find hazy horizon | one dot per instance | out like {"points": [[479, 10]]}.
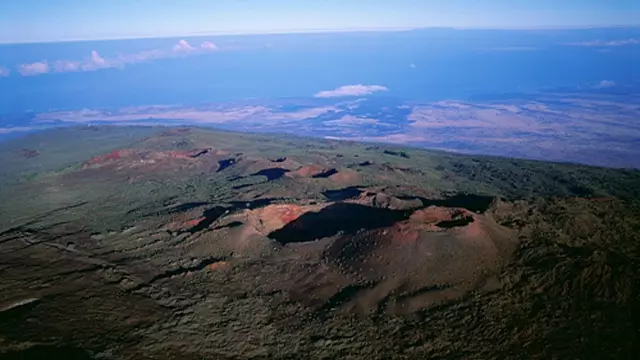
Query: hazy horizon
{"points": [[312, 31], [42, 21], [523, 78]]}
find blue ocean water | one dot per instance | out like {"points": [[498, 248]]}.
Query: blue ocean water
{"points": [[420, 65]]}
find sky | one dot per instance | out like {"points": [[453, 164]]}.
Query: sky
{"points": [[64, 20]]}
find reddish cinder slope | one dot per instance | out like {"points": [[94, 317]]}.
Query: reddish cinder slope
{"points": [[437, 254]]}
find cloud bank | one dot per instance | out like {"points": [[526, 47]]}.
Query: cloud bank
{"points": [[599, 43], [208, 45], [604, 84], [36, 68], [96, 62], [182, 47], [351, 90], [9, 130]]}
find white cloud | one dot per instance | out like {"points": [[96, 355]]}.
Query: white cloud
{"points": [[604, 84], [9, 130], [36, 68], [351, 90], [66, 66], [92, 63], [208, 45], [142, 56], [182, 47], [601, 43], [97, 62], [4, 71]]}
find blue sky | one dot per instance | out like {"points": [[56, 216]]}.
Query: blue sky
{"points": [[56, 20]]}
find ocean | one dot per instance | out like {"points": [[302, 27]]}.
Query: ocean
{"points": [[421, 65]]}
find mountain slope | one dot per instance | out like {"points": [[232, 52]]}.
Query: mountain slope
{"points": [[160, 243]]}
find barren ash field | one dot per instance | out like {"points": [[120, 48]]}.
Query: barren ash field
{"points": [[122, 242]]}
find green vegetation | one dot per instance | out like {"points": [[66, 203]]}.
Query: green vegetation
{"points": [[110, 254], [53, 179]]}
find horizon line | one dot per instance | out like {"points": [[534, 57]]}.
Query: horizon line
{"points": [[316, 31]]}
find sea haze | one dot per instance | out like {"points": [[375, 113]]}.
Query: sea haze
{"points": [[563, 91], [428, 64]]}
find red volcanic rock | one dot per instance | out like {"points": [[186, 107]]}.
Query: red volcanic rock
{"points": [[218, 265], [191, 154], [180, 224], [192, 223], [128, 157], [283, 214], [308, 171], [274, 217], [345, 177], [103, 159], [446, 250], [403, 233], [113, 155], [431, 219], [434, 215]]}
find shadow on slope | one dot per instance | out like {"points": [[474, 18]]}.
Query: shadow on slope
{"points": [[342, 218], [471, 202]]}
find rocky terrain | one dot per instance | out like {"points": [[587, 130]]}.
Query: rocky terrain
{"points": [[184, 243]]}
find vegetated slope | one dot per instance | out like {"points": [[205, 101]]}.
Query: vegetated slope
{"points": [[60, 149], [192, 243], [57, 149]]}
